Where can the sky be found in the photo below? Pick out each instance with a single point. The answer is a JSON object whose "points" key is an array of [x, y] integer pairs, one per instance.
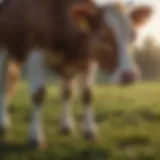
{"points": [[153, 26]]}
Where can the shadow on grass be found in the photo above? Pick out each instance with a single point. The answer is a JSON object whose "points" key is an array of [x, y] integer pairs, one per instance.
{"points": [[149, 115], [17, 150], [101, 117], [134, 140], [13, 147], [92, 154]]}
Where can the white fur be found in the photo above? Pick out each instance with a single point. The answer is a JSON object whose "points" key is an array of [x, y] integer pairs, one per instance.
{"points": [[121, 28], [66, 116], [4, 119], [36, 70], [87, 81], [35, 130], [66, 119], [36, 77], [88, 121]]}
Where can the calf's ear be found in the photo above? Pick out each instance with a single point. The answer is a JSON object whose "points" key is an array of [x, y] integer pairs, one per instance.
{"points": [[140, 15], [84, 15]]}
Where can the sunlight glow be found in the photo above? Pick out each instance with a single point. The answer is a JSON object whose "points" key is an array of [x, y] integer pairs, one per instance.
{"points": [[153, 27]]}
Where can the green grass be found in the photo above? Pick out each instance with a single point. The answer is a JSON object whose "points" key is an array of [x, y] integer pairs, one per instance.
{"points": [[128, 119]]}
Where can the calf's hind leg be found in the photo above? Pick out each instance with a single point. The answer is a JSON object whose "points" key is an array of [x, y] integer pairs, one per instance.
{"points": [[66, 121]]}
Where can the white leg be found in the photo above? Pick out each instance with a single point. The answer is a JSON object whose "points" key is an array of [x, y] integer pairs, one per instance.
{"points": [[89, 127], [66, 122], [4, 119], [36, 76]]}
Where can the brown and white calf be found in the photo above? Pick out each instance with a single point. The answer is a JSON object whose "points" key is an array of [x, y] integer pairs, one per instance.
{"points": [[51, 35]]}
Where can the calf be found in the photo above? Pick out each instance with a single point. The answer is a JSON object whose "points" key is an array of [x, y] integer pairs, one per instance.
{"points": [[76, 49], [102, 52]]}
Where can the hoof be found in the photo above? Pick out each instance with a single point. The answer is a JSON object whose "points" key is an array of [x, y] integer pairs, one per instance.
{"points": [[35, 144], [66, 131], [90, 136]]}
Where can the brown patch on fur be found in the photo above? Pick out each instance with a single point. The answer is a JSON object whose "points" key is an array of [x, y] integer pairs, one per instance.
{"points": [[39, 96], [66, 95], [107, 57], [67, 89], [86, 96]]}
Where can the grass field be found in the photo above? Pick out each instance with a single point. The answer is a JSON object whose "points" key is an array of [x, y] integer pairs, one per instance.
{"points": [[128, 119]]}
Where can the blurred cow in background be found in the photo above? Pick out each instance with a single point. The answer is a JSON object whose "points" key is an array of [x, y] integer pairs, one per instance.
{"points": [[71, 37]]}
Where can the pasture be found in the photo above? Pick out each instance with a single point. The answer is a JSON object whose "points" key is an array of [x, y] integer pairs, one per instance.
{"points": [[128, 120]]}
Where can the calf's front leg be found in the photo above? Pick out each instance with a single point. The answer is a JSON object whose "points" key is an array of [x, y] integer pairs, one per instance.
{"points": [[36, 77], [89, 127]]}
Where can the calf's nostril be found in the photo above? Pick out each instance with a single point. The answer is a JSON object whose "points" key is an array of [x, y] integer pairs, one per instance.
{"points": [[127, 77]]}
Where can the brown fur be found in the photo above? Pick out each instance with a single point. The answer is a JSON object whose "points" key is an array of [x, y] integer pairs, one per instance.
{"points": [[28, 24], [87, 97], [39, 96]]}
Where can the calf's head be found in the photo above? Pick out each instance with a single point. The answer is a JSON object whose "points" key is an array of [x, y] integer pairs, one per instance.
{"points": [[115, 31]]}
